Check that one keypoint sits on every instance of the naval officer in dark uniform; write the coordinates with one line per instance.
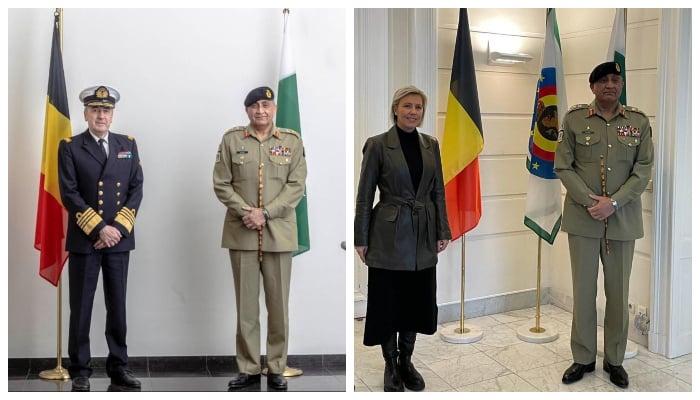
(101, 181)
(604, 159)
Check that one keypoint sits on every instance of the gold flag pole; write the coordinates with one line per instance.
(461, 328)
(537, 328)
(461, 332)
(537, 334)
(58, 373)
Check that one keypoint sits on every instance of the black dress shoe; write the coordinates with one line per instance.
(243, 380)
(575, 372)
(81, 384)
(618, 375)
(276, 381)
(125, 378)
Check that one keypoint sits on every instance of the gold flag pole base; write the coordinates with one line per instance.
(459, 332)
(537, 334)
(57, 374)
(453, 333)
(289, 372)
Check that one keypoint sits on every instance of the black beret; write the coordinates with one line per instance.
(261, 93)
(608, 67)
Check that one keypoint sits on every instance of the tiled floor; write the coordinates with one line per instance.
(501, 362)
(171, 378)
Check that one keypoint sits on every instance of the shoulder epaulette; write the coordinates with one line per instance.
(578, 107)
(68, 139)
(635, 109)
(236, 129)
(130, 137)
(289, 131)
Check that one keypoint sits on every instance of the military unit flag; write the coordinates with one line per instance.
(288, 117)
(543, 205)
(51, 218)
(463, 138)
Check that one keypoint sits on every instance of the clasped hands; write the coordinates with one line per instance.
(602, 207)
(109, 237)
(255, 219)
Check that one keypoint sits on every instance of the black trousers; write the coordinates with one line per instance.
(83, 273)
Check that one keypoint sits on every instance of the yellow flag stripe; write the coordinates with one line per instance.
(56, 127)
(461, 143)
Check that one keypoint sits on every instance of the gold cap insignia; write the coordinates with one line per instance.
(268, 93)
(102, 92)
(617, 67)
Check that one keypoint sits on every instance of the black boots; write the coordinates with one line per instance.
(392, 378)
(411, 378)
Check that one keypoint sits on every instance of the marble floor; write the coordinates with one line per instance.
(501, 362)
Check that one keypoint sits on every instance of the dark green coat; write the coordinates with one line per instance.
(402, 230)
(628, 152)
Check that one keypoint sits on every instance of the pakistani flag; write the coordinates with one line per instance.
(616, 50)
(288, 117)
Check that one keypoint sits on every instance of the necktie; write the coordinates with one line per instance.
(102, 147)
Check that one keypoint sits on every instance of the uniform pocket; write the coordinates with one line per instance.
(586, 141)
(631, 144)
(281, 166)
(244, 167)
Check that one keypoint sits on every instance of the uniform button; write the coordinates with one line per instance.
(609, 169)
(102, 212)
(630, 144)
(262, 164)
(588, 144)
(119, 193)
(609, 145)
(119, 202)
(607, 124)
(286, 160)
(100, 202)
(119, 184)
(100, 183)
(100, 193)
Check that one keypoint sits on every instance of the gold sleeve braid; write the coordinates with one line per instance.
(126, 217)
(88, 220)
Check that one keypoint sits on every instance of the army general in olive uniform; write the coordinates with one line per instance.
(604, 159)
(259, 175)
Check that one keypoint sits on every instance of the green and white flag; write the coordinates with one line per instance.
(288, 117)
(616, 50)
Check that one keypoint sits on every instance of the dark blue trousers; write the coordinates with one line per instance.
(83, 273)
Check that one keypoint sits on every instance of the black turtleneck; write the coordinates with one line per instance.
(411, 152)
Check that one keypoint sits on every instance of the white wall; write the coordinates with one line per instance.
(183, 75)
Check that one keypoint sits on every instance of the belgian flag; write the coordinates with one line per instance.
(51, 217)
(463, 139)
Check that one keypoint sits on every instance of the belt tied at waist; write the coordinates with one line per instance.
(417, 207)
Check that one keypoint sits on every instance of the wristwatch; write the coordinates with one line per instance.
(267, 215)
(614, 203)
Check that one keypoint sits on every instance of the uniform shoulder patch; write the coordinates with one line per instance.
(235, 129)
(289, 131)
(635, 109)
(578, 107)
